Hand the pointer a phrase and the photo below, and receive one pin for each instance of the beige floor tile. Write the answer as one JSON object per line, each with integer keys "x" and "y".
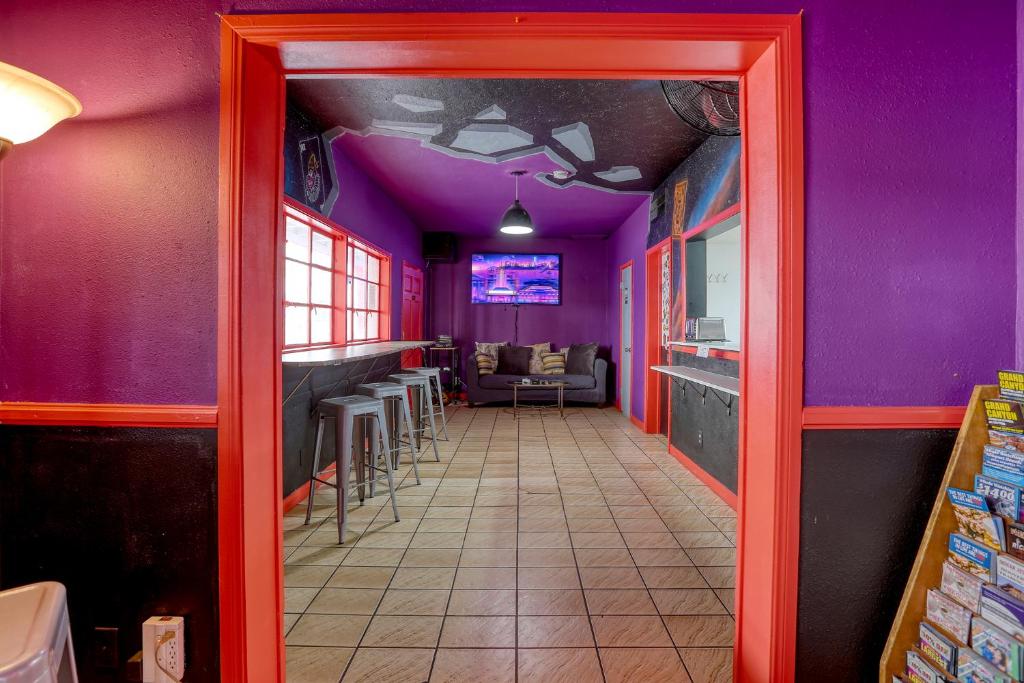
{"x": 687, "y": 601}
{"x": 443, "y": 525}
{"x": 438, "y": 540}
{"x": 555, "y": 631}
{"x": 611, "y": 577}
{"x": 411, "y": 578}
{"x": 636, "y": 539}
{"x": 345, "y": 601}
{"x": 318, "y": 555}
{"x": 474, "y": 666}
{"x": 701, "y": 630}
{"x": 660, "y": 557}
{"x": 373, "y": 557}
{"x": 551, "y": 602}
{"x": 707, "y": 665}
{"x": 490, "y": 539}
{"x": 403, "y": 631}
{"x": 488, "y": 557}
{"x": 431, "y": 557}
{"x": 713, "y": 557}
{"x": 728, "y": 598}
{"x": 546, "y": 557}
{"x": 673, "y": 577}
{"x": 592, "y": 525}
{"x": 719, "y": 577}
{"x": 559, "y": 666}
{"x": 289, "y": 621}
{"x": 619, "y": 602}
{"x": 296, "y": 600}
{"x": 440, "y": 511}
{"x": 497, "y": 524}
{"x": 488, "y": 632}
{"x": 482, "y": 602}
{"x": 702, "y": 539}
{"x": 625, "y": 665}
{"x": 630, "y": 631}
{"x": 361, "y": 577}
{"x": 548, "y": 577}
{"x": 414, "y": 602}
{"x": 328, "y": 630}
{"x": 316, "y": 664}
{"x": 374, "y": 665}
{"x": 541, "y": 525}
{"x": 383, "y": 540}
{"x": 485, "y": 577}
{"x": 597, "y": 540}
{"x": 555, "y": 539}
{"x": 604, "y": 557}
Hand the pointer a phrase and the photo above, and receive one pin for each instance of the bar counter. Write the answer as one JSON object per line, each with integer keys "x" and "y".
{"x": 336, "y": 355}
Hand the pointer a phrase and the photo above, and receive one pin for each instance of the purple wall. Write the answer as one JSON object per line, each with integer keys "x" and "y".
{"x": 581, "y": 318}
{"x": 368, "y": 211}
{"x": 1020, "y": 184}
{"x": 630, "y": 242}
{"x": 910, "y": 207}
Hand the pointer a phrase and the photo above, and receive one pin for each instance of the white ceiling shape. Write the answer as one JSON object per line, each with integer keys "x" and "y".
{"x": 619, "y": 174}
{"x": 492, "y": 113}
{"x": 576, "y": 138}
{"x": 488, "y": 138}
{"x": 417, "y": 104}
{"x": 425, "y": 129}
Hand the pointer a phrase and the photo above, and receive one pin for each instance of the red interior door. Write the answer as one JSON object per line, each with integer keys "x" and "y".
{"x": 412, "y": 312}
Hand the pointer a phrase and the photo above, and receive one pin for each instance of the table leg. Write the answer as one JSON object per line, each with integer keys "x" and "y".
{"x": 515, "y": 402}
{"x": 561, "y": 402}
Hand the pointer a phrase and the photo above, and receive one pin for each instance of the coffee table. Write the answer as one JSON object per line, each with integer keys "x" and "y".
{"x": 552, "y": 385}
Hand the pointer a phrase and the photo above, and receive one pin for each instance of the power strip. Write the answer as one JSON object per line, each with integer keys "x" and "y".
{"x": 171, "y": 655}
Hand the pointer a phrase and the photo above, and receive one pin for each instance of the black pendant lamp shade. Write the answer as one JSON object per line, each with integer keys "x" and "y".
{"x": 516, "y": 220}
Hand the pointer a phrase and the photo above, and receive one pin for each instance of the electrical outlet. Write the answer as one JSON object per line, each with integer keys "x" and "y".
{"x": 700, "y": 438}
{"x": 170, "y": 655}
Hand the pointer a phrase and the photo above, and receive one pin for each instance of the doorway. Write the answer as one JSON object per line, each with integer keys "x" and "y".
{"x": 412, "y": 312}
{"x": 626, "y": 338}
{"x": 762, "y": 51}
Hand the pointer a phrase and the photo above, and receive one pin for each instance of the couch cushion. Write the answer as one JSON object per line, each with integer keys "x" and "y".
{"x": 501, "y": 381}
{"x": 514, "y": 360}
{"x": 537, "y": 352}
{"x": 580, "y": 359}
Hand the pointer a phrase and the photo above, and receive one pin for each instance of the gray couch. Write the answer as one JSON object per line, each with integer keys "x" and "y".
{"x": 581, "y": 389}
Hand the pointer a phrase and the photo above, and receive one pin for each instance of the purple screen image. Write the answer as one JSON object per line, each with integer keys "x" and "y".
{"x": 517, "y": 279}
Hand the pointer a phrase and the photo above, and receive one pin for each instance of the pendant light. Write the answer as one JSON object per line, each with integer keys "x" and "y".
{"x": 516, "y": 220}
{"x": 30, "y": 106}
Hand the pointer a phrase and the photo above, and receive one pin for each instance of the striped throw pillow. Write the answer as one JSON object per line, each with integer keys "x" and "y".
{"x": 553, "y": 363}
{"x": 486, "y": 364}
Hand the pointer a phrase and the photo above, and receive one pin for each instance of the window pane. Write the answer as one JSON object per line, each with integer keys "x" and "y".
{"x": 373, "y": 269}
{"x": 322, "y": 249}
{"x": 358, "y": 325}
{"x": 296, "y": 282}
{"x": 372, "y": 326}
{"x": 295, "y": 322}
{"x": 358, "y": 294}
{"x": 359, "y": 263}
{"x": 321, "y": 293}
{"x": 373, "y": 296}
{"x": 320, "y": 326}
{"x": 348, "y": 293}
{"x": 296, "y": 243}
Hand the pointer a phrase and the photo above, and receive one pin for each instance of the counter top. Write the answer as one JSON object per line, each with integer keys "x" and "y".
{"x": 720, "y": 345}
{"x": 336, "y": 355}
{"x": 729, "y": 385}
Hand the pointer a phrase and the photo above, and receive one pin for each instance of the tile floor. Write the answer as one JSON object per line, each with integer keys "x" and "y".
{"x": 537, "y": 550}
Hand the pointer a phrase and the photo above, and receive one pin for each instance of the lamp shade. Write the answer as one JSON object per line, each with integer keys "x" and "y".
{"x": 516, "y": 220}
{"x": 30, "y": 105}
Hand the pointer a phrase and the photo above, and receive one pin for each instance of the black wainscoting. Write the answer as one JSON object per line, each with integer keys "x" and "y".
{"x": 703, "y": 428}
{"x": 866, "y": 497}
{"x": 126, "y": 518}
{"x": 299, "y": 425}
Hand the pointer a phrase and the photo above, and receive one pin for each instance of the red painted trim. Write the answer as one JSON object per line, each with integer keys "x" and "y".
{"x": 618, "y": 366}
{"x": 883, "y": 417}
{"x": 637, "y": 422}
{"x": 652, "y": 343}
{"x": 718, "y": 487}
{"x": 108, "y": 415}
{"x": 712, "y": 353}
{"x": 711, "y": 222}
{"x": 762, "y": 50}
{"x": 300, "y": 494}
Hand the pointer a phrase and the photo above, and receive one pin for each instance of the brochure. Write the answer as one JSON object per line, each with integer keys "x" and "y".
{"x": 949, "y": 615}
{"x": 962, "y": 586}
{"x": 1003, "y": 610}
{"x": 973, "y": 557}
{"x": 1002, "y": 650}
{"x": 975, "y": 519}
{"x": 937, "y": 648}
{"x": 1003, "y": 498}
{"x": 1011, "y": 385}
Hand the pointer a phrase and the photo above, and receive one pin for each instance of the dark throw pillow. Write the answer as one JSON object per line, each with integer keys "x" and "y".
{"x": 580, "y": 359}
{"x": 514, "y": 360}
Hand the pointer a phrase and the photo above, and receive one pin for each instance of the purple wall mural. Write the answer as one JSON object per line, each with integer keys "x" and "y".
{"x": 909, "y": 199}
{"x": 581, "y": 318}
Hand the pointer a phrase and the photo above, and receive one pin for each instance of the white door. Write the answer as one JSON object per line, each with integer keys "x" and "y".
{"x": 626, "y": 342}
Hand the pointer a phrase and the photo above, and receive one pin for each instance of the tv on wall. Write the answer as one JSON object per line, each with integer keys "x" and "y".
{"x": 517, "y": 279}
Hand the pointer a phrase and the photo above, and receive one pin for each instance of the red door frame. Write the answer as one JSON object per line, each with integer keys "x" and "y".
{"x": 652, "y": 339}
{"x": 763, "y": 51}
{"x": 618, "y": 365}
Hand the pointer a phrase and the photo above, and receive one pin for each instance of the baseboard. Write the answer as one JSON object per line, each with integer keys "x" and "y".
{"x": 108, "y": 414}
{"x": 300, "y": 494}
{"x": 718, "y": 487}
{"x": 638, "y": 423}
{"x": 883, "y": 417}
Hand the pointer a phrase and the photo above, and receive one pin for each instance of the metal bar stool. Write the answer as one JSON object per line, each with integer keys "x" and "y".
{"x": 348, "y": 412}
{"x": 396, "y": 408}
{"x": 422, "y": 404}
{"x": 438, "y": 408}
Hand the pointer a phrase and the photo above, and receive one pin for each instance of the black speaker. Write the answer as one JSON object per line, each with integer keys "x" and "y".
{"x": 439, "y": 246}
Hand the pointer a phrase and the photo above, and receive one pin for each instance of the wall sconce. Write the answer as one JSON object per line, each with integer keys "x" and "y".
{"x": 30, "y": 106}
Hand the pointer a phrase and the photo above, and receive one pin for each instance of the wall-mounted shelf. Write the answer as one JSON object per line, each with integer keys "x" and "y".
{"x": 718, "y": 345}
{"x": 723, "y": 383}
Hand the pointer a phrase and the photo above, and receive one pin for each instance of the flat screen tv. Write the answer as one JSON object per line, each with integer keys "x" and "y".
{"x": 517, "y": 279}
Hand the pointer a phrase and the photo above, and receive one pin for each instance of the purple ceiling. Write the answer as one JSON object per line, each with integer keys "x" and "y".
{"x": 468, "y": 196}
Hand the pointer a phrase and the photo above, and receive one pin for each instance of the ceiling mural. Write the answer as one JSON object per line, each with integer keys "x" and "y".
{"x": 610, "y": 135}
